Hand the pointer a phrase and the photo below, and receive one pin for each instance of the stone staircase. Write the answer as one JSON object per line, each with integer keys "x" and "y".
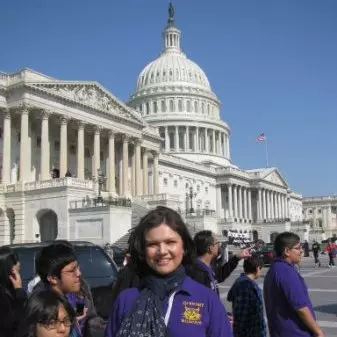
{"x": 139, "y": 209}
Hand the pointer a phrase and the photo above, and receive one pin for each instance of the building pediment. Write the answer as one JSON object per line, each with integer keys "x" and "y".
{"x": 90, "y": 94}
{"x": 275, "y": 178}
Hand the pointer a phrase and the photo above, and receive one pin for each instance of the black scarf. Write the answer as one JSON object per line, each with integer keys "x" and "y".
{"x": 146, "y": 318}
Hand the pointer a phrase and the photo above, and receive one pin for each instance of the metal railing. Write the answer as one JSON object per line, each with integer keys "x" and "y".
{"x": 100, "y": 202}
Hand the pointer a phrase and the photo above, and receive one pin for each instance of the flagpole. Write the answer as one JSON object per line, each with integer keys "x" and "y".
{"x": 266, "y": 146}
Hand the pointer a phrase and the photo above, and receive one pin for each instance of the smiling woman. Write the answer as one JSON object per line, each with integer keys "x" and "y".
{"x": 167, "y": 301}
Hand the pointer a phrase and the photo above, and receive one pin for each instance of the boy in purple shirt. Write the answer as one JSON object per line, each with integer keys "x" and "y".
{"x": 288, "y": 306}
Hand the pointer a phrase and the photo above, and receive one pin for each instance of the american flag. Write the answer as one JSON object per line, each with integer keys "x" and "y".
{"x": 261, "y": 137}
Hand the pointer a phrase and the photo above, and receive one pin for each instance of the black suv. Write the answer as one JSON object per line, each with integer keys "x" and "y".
{"x": 97, "y": 268}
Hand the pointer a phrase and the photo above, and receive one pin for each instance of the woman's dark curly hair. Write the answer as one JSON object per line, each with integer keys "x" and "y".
{"x": 154, "y": 218}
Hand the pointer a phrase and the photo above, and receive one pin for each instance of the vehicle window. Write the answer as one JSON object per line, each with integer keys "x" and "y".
{"x": 27, "y": 258}
{"x": 268, "y": 248}
{"x": 94, "y": 263}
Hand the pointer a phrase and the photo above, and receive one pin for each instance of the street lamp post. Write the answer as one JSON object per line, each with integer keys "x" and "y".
{"x": 100, "y": 180}
{"x": 189, "y": 196}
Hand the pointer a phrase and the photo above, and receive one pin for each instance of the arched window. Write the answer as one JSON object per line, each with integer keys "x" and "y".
{"x": 180, "y": 105}
{"x": 163, "y": 106}
{"x": 155, "y": 107}
{"x": 171, "y": 105}
{"x": 147, "y": 108}
{"x": 171, "y": 134}
{"x": 195, "y": 106}
{"x": 203, "y": 107}
{"x": 188, "y": 106}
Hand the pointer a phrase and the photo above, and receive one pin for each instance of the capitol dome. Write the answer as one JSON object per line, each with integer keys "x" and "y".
{"x": 172, "y": 66}
{"x": 174, "y": 94}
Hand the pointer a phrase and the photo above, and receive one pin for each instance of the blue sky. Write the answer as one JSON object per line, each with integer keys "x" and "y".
{"x": 272, "y": 63}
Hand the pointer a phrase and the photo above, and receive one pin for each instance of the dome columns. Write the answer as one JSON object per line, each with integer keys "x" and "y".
{"x": 190, "y": 138}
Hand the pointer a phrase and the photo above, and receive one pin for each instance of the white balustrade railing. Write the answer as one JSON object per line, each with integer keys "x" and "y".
{"x": 52, "y": 183}
{"x": 159, "y": 197}
{"x": 60, "y": 182}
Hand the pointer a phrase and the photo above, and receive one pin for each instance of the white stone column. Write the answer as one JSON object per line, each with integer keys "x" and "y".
{"x": 227, "y": 147}
{"x": 155, "y": 173}
{"x": 221, "y": 147}
{"x": 324, "y": 216}
{"x": 133, "y": 171}
{"x": 6, "y": 148}
{"x": 218, "y": 201}
{"x": 249, "y": 204}
{"x": 184, "y": 140}
{"x": 126, "y": 192}
{"x": 197, "y": 142}
{"x": 96, "y": 160}
{"x": 275, "y": 204}
{"x": 187, "y": 139}
{"x": 111, "y": 161}
{"x": 284, "y": 206}
{"x": 240, "y": 202}
{"x": 264, "y": 204}
{"x": 167, "y": 140}
{"x": 230, "y": 201}
{"x": 63, "y": 146}
{"x": 206, "y": 141}
{"x": 138, "y": 168}
{"x": 24, "y": 143}
{"x": 272, "y": 205}
{"x": 145, "y": 173}
{"x": 287, "y": 207}
{"x": 279, "y": 206}
{"x": 268, "y": 204}
{"x": 245, "y": 208}
{"x": 235, "y": 201}
{"x": 329, "y": 215}
{"x": 213, "y": 139}
{"x": 176, "y": 139}
{"x": 45, "y": 160}
{"x": 219, "y": 143}
{"x": 259, "y": 205}
{"x": 80, "y": 151}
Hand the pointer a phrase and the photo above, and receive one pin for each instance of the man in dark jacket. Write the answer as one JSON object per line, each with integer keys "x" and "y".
{"x": 207, "y": 247}
{"x": 247, "y": 302}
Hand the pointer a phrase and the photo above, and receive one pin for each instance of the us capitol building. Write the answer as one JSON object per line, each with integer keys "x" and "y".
{"x": 80, "y": 164}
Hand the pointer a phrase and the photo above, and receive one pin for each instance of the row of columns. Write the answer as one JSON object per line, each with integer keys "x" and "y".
{"x": 219, "y": 139}
{"x": 325, "y": 215}
{"x": 45, "y": 155}
{"x": 270, "y": 204}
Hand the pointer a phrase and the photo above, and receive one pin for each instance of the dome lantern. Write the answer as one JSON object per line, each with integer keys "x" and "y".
{"x": 171, "y": 33}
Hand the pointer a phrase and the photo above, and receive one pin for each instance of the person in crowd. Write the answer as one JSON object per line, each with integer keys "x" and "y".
{"x": 207, "y": 247}
{"x": 247, "y": 300}
{"x": 48, "y": 314}
{"x": 288, "y": 306}
{"x": 36, "y": 279}
{"x": 332, "y": 252}
{"x": 316, "y": 248}
{"x": 12, "y": 296}
{"x": 306, "y": 248}
{"x": 59, "y": 271}
{"x": 167, "y": 302}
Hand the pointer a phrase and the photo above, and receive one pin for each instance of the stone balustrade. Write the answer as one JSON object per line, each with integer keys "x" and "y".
{"x": 52, "y": 183}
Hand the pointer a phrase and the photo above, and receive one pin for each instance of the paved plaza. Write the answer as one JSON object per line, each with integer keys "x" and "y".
{"x": 322, "y": 284}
